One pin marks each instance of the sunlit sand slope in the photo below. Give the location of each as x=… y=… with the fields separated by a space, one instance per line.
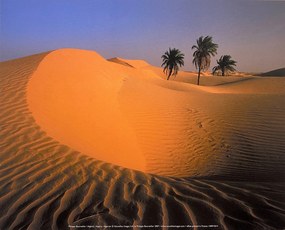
x=48 y=185
x=73 y=96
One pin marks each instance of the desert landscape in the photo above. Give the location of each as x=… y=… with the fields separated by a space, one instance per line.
x=149 y=114
x=88 y=142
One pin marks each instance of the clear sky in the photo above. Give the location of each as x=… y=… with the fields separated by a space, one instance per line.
x=252 y=31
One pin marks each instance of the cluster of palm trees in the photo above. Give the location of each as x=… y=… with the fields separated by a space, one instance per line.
x=203 y=50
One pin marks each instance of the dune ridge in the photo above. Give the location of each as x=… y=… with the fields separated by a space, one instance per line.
x=47 y=185
x=275 y=73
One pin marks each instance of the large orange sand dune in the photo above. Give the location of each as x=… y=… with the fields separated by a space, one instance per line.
x=61 y=111
x=129 y=116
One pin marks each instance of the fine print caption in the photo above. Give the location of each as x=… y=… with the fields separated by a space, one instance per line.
x=142 y=226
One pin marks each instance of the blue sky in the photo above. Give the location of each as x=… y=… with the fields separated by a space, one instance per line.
x=252 y=32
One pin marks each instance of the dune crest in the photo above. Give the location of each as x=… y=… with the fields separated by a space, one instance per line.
x=138 y=64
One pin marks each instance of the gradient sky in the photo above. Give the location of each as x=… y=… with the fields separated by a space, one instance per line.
x=252 y=32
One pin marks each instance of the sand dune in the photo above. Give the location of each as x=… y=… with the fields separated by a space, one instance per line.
x=62 y=111
x=127 y=116
x=276 y=73
x=184 y=76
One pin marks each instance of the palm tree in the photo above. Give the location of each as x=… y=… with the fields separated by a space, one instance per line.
x=171 y=59
x=204 y=49
x=225 y=65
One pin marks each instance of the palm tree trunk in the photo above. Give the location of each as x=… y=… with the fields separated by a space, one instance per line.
x=170 y=72
x=223 y=72
x=199 y=72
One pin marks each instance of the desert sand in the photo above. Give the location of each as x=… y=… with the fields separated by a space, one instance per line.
x=89 y=141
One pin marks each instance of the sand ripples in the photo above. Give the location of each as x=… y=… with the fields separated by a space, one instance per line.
x=253 y=126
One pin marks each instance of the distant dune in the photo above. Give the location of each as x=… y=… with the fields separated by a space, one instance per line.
x=132 y=63
x=87 y=141
x=120 y=61
x=275 y=73
x=183 y=76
